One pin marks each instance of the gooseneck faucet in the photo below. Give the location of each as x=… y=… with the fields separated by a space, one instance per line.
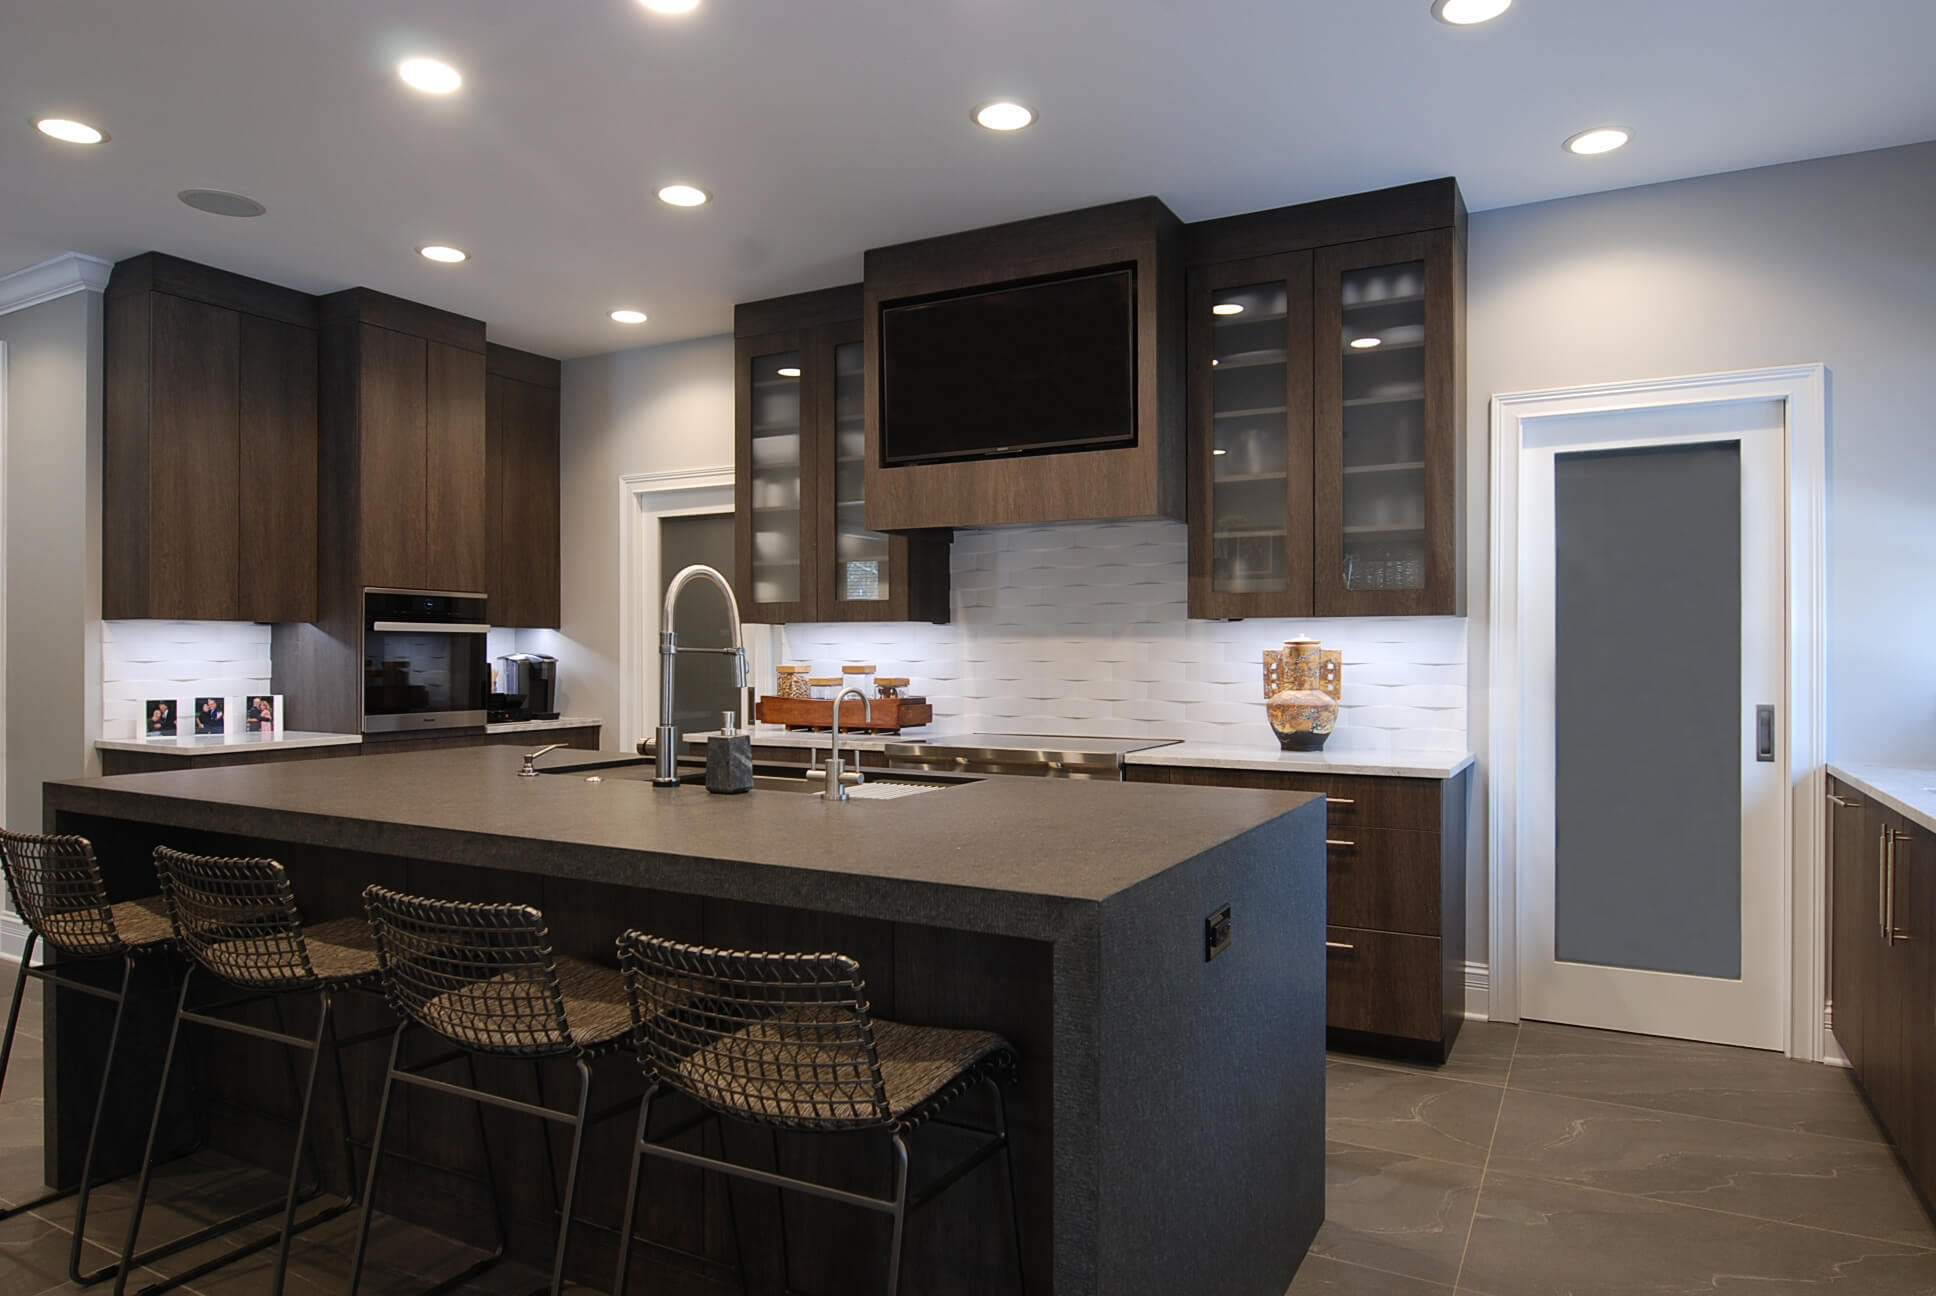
x=665 y=771
x=838 y=778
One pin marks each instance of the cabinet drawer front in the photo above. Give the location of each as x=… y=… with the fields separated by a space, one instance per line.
x=1384 y=879
x=1352 y=802
x=1383 y=983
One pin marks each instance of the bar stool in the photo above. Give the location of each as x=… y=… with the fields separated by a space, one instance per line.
x=238 y=922
x=786 y=1041
x=483 y=977
x=56 y=886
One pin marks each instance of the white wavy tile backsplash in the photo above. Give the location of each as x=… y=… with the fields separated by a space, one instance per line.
x=157 y=659
x=1084 y=630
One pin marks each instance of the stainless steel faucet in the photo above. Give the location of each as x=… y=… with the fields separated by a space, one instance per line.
x=665 y=771
x=838 y=779
x=530 y=769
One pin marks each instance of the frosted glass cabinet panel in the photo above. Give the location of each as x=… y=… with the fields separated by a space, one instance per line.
x=1250 y=445
x=776 y=458
x=1386 y=426
x=861 y=560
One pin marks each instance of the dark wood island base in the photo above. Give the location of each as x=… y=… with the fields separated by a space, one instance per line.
x=1168 y=1115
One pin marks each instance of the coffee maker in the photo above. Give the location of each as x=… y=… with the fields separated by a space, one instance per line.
x=529 y=683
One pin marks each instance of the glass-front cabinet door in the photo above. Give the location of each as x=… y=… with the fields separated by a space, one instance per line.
x=777 y=453
x=1250 y=443
x=858 y=567
x=1385 y=365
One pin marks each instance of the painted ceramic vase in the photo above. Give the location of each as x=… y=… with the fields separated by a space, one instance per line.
x=1302 y=684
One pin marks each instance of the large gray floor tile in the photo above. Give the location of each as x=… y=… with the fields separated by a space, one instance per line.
x=1842 y=1184
x=1482 y=1055
x=1695 y=1079
x=1317 y=1274
x=1412 y=1114
x=1397 y=1213
x=1533 y=1237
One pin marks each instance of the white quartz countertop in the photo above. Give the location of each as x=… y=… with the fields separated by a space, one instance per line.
x=1911 y=793
x=215 y=744
x=1433 y=765
x=1197 y=755
x=534 y=726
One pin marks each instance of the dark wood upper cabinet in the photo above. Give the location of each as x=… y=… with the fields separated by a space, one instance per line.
x=209 y=447
x=522 y=568
x=403 y=399
x=802 y=548
x=1326 y=398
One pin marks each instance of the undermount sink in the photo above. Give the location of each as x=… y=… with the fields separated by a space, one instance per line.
x=766 y=778
x=764 y=782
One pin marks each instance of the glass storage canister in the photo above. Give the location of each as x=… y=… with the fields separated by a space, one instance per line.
x=891 y=686
x=824 y=687
x=858 y=677
x=793 y=682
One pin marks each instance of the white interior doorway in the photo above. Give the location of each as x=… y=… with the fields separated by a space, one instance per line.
x=645 y=501
x=1657 y=719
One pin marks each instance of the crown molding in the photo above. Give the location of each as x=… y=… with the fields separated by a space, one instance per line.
x=70 y=272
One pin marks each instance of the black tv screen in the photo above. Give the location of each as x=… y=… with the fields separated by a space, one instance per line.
x=1013 y=370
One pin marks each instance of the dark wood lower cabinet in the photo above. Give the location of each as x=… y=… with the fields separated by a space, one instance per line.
x=1395 y=892
x=1883 y=970
x=114 y=761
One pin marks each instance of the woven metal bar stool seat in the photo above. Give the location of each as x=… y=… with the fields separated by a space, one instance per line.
x=484 y=979
x=57 y=890
x=787 y=1041
x=237 y=921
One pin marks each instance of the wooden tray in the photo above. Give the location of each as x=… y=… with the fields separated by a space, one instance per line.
x=891 y=715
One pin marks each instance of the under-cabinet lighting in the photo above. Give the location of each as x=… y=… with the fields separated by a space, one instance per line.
x=788 y=371
x=429 y=75
x=69 y=131
x=1227 y=308
x=1601 y=139
x=1367 y=343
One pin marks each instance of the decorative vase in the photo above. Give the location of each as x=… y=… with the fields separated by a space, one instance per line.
x=1302 y=683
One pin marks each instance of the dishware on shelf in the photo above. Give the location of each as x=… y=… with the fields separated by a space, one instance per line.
x=1302 y=685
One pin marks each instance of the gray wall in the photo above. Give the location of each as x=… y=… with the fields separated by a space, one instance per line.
x=1826 y=261
x=649 y=410
x=53 y=548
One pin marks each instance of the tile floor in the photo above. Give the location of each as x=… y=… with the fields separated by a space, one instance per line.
x=1541 y=1161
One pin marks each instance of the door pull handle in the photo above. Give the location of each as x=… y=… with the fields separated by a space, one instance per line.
x=1764 y=733
x=1889 y=919
x=1339 y=945
x=1337 y=841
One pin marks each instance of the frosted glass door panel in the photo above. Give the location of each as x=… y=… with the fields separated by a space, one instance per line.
x=776 y=478
x=1250 y=440
x=1382 y=508
x=860 y=556
x=1648 y=724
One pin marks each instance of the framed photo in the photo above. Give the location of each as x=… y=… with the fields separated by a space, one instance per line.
x=211 y=716
x=262 y=713
x=160 y=718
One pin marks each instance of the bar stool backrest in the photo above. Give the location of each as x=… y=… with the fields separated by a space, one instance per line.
x=783 y=1039
x=480 y=975
x=237 y=918
x=57 y=890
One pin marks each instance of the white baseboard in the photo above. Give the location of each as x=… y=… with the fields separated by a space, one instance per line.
x=1478 y=992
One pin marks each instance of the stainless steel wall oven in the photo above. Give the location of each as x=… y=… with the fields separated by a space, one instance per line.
x=424 y=660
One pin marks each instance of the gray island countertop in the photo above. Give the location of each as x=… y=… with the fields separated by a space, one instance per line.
x=1008 y=851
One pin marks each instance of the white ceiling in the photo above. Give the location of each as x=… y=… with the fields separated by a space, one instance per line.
x=826 y=127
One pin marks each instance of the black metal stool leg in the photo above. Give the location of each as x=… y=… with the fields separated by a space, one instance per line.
x=302 y=1139
x=900 y=1215
x=1008 y=1176
x=154 y=1129
x=13 y=1013
x=571 y=1176
x=94 y=1137
x=376 y=1161
x=627 y=1220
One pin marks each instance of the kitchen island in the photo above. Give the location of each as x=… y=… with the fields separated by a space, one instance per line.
x=1169 y=1112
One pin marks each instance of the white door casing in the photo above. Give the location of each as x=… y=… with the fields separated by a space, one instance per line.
x=1748 y=1010
x=1795 y=644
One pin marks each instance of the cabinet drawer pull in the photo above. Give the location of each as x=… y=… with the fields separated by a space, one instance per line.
x=1339 y=801
x=1338 y=945
x=1337 y=841
x=1889 y=908
x=1844 y=803
x=1882 y=883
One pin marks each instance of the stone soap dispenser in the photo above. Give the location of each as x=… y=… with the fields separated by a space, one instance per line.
x=729 y=757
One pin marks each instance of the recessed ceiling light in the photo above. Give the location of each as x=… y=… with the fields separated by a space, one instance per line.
x=1601 y=139
x=684 y=195
x=788 y=371
x=670 y=6
x=629 y=316
x=429 y=76
x=1464 y=13
x=1227 y=308
x=1004 y=115
x=1367 y=343
x=220 y=202
x=447 y=255
x=68 y=131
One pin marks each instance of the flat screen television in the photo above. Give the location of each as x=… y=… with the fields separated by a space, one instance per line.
x=1012 y=370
